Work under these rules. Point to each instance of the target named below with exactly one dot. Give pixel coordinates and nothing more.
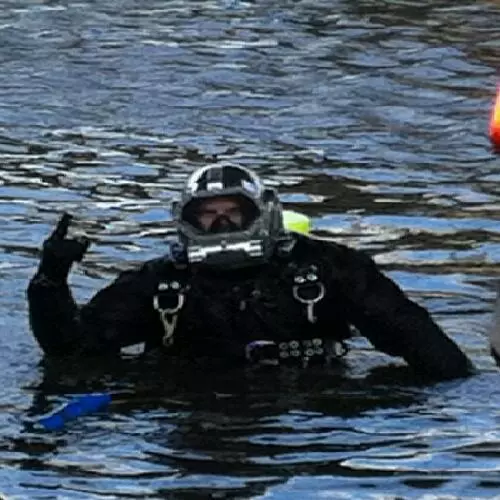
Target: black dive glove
(59, 252)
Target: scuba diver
(237, 287)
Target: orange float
(495, 122)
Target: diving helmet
(252, 241)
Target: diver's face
(220, 215)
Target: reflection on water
(370, 117)
(250, 432)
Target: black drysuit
(223, 312)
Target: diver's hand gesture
(59, 252)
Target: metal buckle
(169, 315)
(252, 352)
(308, 290)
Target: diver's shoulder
(171, 261)
(311, 241)
(328, 247)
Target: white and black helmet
(262, 217)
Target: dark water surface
(371, 117)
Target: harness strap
(307, 289)
(295, 352)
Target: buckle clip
(168, 301)
(308, 290)
(262, 352)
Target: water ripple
(370, 117)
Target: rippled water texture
(371, 117)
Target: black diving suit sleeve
(393, 323)
(119, 315)
(54, 316)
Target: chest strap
(170, 297)
(168, 301)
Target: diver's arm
(118, 315)
(53, 313)
(394, 324)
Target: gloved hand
(59, 252)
